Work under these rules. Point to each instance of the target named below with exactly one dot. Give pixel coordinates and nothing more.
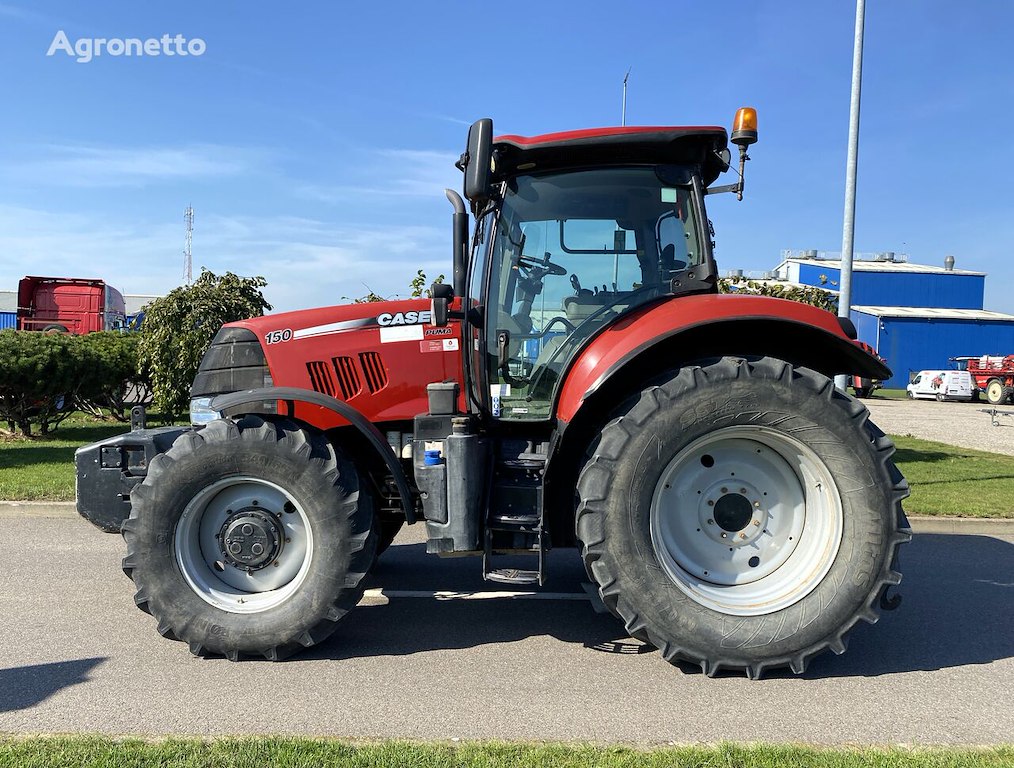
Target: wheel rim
(994, 392)
(243, 545)
(746, 520)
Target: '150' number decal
(276, 337)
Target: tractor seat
(582, 306)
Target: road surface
(79, 657)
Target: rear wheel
(742, 515)
(249, 538)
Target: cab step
(514, 576)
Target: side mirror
(478, 157)
(439, 305)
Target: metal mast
(848, 229)
(623, 113)
(188, 261)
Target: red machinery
(993, 375)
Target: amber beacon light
(744, 127)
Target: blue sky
(314, 139)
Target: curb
(962, 525)
(953, 525)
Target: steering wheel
(545, 266)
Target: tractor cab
(574, 231)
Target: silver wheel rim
(746, 520)
(213, 574)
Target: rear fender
(291, 395)
(665, 336)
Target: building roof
(935, 313)
(882, 266)
(135, 301)
(8, 301)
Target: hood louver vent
(348, 377)
(321, 377)
(373, 367)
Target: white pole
(848, 230)
(623, 114)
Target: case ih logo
(404, 318)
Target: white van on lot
(942, 385)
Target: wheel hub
(733, 512)
(250, 539)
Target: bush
(39, 375)
(114, 381)
(178, 329)
(44, 377)
(805, 294)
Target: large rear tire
(249, 538)
(742, 515)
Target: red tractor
(580, 383)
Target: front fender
(664, 336)
(373, 435)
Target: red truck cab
(69, 305)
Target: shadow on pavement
(24, 687)
(957, 609)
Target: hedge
(46, 376)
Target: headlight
(201, 412)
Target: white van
(942, 385)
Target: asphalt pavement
(431, 654)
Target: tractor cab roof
(594, 147)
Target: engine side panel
(378, 357)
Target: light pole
(848, 230)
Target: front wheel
(742, 515)
(249, 537)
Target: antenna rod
(188, 262)
(623, 114)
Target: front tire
(249, 537)
(742, 515)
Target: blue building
(8, 310)
(916, 316)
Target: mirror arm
(738, 186)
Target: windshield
(570, 252)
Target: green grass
(257, 752)
(41, 468)
(954, 481)
(890, 394)
(945, 480)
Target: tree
(417, 286)
(178, 329)
(805, 294)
